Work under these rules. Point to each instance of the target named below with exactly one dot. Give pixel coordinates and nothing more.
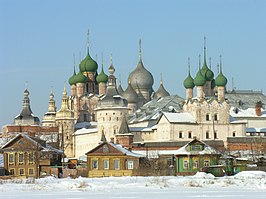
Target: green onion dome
(80, 78)
(209, 75)
(72, 79)
(189, 82)
(88, 64)
(213, 84)
(102, 77)
(199, 79)
(221, 80)
(205, 71)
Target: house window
(195, 164)
(109, 118)
(117, 119)
(21, 172)
(130, 165)
(11, 158)
(234, 134)
(113, 113)
(189, 134)
(11, 172)
(31, 158)
(20, 158)
(215, 135)
(185, 164)
(208, 117)
(195, 148)
(207, 135)
(215, 117)
(206, 163)
(116, 164)
(105, 164)
(180, 134)
(94, 164)
(31, 172)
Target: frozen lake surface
(250, 185)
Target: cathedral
(139, 116)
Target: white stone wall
(109, 121)
(85, 142)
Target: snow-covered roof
(261, 130)
(179, 117)
(81, 125)
(47, 147)
(249, 112)
(141, 129)
(125, 151)
(85, 131)
(153, 109)
(207, 150)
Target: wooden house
(194, 156)
(109, 159)
(26, 156)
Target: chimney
(258, 108)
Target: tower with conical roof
(199, 82)
(102, 80)
(141, 78)
(111, 108)
(161, 92)
(49, 116)
(189, 83)
(131, 97)
(221, 82)
(120, 88)
(26, 116)
(65, 121)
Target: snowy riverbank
(244, 184)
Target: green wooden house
(195, 156)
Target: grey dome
(130, 94)
(141, 78)
(161, 92)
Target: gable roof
(117, 147)
(207, 149)
(40, 143)
(178, 118)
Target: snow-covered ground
(247, 184)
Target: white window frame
(105, 164)
(93, 165)
(130, 164)
(117, 167)
(185, 164)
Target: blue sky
(38, 39)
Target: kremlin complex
(143, 120)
